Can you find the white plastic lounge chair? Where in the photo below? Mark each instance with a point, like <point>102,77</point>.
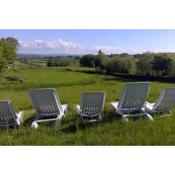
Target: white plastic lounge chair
<point>164,104</point>
<point>131,101</point>
<point>8,117</point>
<point>91,106</point>
<point>47,105</point>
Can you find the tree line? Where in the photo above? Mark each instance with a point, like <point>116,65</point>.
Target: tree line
<point>146,64</point>
<point>63,62</point>
<point>58,63</point>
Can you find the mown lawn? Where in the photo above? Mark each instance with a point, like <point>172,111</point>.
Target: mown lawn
<point>70,82</point>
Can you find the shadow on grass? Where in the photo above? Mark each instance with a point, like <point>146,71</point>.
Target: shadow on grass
<point>108,117</point>
<point>126,77</point>
<point>28,121</point>
<point>82,71</point>
<point>72,123</point>
<point>133,78</point>
<point>73,127</point>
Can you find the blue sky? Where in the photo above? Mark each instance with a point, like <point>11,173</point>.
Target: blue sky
<point>90,41</point>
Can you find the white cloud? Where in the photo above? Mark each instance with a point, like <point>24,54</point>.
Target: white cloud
<point>60,46</point>
<point>49,47</point>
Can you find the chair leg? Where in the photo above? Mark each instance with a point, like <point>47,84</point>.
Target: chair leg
<point>148,117</point>
<point>99,118</point>
<point>66,110</point>
<point>166,114</point>
<point>58,122</point>
<point>125,118</point>
<point>19,118</point>
<point>17,123</point>
<point>35,125</point>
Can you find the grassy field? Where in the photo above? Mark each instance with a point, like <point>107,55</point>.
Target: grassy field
<point>70,82</point>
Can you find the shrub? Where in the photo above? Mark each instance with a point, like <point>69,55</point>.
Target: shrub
<point>121,65</point>
<point>87,61</point>
<point>58,63</point>
<point>144,65</point>
<point>162,65</point>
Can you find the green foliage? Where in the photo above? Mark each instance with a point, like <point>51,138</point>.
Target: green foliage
<point>62,63</point>
<point>87,61</point>
<point>162,65</point>
<point>124,55</point>
<point>58,63</point>
<point>97,61</point>
<point>144,64</point>
<point>121,65</point>
<point>100,61</point>
<point>3,61</point>
<point>13,42</point>
<point>8,52</point>
<point>8,47</point>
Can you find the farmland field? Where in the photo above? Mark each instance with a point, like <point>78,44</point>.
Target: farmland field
<point>69,83</point>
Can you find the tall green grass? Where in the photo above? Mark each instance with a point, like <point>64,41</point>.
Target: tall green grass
<point>70,82</point>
